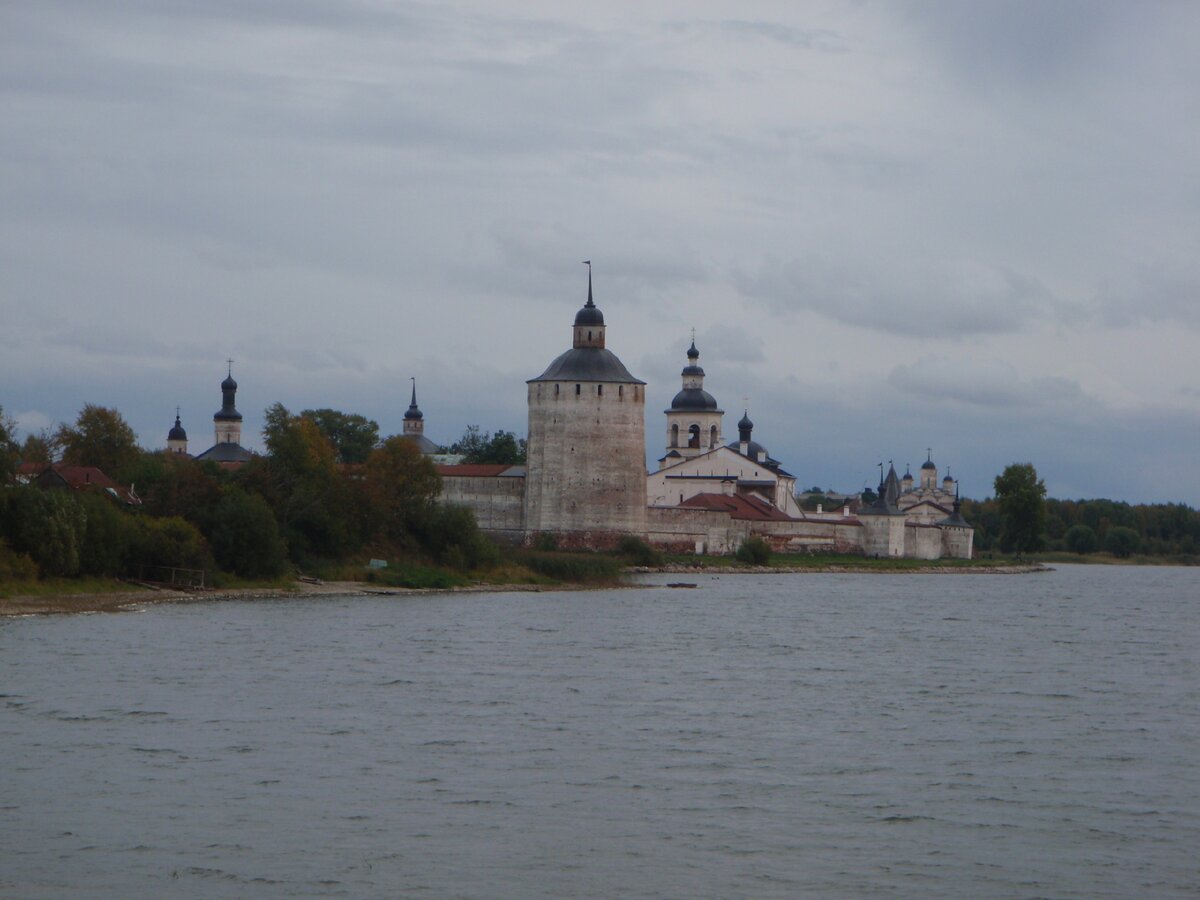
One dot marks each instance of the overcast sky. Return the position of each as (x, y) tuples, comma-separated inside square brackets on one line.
[(967, 226)]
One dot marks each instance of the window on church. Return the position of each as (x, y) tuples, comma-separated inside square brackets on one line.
[(694, 437), (674, 435), (712, 437)]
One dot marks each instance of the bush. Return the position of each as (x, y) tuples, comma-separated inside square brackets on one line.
[(172, 542), (15, 566), (545, 542), (48, 526), (452, 537), (1081, 539), (754, 551), (1121, 541), (638, 552), (572, 567)]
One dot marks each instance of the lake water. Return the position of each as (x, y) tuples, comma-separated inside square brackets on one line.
[(775, 736)]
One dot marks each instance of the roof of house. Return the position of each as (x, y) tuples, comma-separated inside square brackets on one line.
[(738, 506), (78, 478)]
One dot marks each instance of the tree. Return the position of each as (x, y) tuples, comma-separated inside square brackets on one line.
[(1021, 496), (1122, 541), (1081, 539), (100, 438), (352, 435), (9, 451), (38, 448), (245, 539), (502, 448), (401, 487)]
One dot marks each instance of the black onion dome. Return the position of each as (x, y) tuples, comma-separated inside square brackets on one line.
[(587, 364), (589, 315), (177, 433), (745, 421), (928, 464), (694, 399), (693, 353), (229, 384)]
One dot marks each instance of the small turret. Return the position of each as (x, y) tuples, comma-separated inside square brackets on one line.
[(177, 437), (589, 321), (906, 483), (227, 422), (414, 419), (928, 472)]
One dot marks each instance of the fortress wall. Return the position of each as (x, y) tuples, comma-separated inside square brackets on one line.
[(681, 530), (922, 542), (585, 459), (811, 536), (497, 502)]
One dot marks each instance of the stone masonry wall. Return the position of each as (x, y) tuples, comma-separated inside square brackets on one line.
[(497, 502), (586, 458)]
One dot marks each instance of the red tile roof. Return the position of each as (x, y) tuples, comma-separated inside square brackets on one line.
[(738, 506), (79, 478)]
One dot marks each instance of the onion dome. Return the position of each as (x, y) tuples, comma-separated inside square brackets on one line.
[(693, 354), (177, 433), (590, 313), (929, 464), (228, 412)]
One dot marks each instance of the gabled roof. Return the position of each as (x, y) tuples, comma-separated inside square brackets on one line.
[(738, 506), (77, 478)]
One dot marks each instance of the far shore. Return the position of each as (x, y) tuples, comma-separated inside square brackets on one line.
[(131, 598)]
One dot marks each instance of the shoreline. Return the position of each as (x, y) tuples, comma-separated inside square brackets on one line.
[(130, 601)]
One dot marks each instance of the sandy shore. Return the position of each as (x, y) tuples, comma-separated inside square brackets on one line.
[(117, 601)]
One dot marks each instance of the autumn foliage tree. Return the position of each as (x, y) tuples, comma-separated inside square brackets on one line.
[(100, 437)]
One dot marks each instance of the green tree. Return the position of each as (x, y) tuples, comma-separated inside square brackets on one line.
[(38, 448), (49, 526), (1081, 539), (1021, 496), (100, 437), (1122, 541), (245, 537), (9, 449), (352, 435), (501, 448)]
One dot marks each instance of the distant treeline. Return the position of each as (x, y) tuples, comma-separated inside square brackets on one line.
[(1090, 526)]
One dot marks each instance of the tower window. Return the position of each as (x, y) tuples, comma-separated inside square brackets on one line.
[(576, 390), (620, 392), (556, 390), (599, 390), (674, 435), (694, 437)]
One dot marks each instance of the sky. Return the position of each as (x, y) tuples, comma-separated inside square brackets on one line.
[(971, 227)]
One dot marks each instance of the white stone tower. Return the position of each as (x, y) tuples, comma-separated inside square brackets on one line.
[(883, 521), (693, 421), (227, 422), (177, 437), (585, 480)]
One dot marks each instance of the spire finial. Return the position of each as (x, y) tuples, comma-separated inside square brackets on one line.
[(588, 263), (928, 454), (229, 371), (413, 379)]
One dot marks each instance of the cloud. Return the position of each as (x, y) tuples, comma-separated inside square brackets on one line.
[(937, 299), (983, 382)]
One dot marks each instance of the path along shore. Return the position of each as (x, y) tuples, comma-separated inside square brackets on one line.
[(117, 601)]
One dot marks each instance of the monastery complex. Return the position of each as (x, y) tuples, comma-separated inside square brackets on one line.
[(585, 483)]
